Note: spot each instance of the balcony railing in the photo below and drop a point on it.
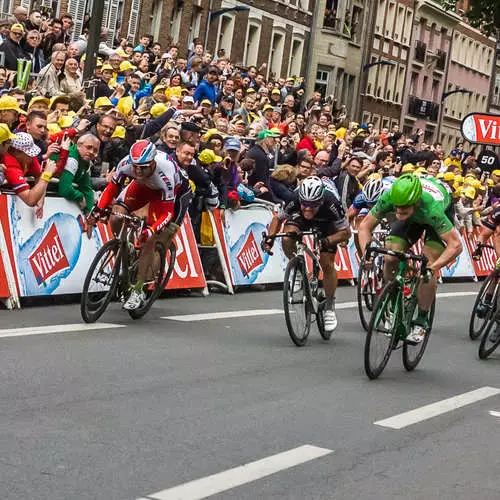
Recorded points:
(423, 109)
(420, 50)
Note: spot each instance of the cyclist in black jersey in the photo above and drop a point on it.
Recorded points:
(315, 208)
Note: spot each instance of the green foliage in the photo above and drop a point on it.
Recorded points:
(485, 14)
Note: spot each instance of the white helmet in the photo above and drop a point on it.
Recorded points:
(311, 189)
(372, 190)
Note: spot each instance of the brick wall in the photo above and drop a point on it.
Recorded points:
(265, 40)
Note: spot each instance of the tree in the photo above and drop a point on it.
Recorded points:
(485, 14)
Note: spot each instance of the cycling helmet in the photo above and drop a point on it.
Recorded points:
(142, 152)
(311, 189)
(406, 190)
(372, 190)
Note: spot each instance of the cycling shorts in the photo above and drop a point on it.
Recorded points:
(324, 227)
(136, 196)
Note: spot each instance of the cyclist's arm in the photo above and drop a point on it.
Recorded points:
(339, 236)
(115, 185)
(365, 231)
(485, 235)
(453, 250)
(352, 213)
(274, 225)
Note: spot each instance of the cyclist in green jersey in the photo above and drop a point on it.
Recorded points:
(419, 205)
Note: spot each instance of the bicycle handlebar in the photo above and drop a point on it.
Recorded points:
(399, 255)
(485, 245)
(291, 234)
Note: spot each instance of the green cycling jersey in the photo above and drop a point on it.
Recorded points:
(430, 210)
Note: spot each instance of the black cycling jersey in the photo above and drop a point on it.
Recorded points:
(493, 220)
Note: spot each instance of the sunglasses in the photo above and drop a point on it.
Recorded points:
(143, 166)
(310, 204)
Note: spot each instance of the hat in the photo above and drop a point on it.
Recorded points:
(107, 67)
(184, 91)
(188, 98)
(8, 102)
(267, 107)
(264, 134)
(341, 132)
(103, 102)
(119, 132)
(228, 98)
(53, 128)
(24, 142)
(125, 105)
(207, 156)
(5, 133)
(98, 63)
(158, 109)
(159, 88)
(190, 127)
(121, 52)
(58, 98)
(240, 122)
(408, 168)
(290, 79)
(211, 134)
(455, 152)
(448, 176)
(39, 98)
(17, 28)
(65, 121)
(206, 101)
(126, 65)
(469, 192)
(276, 91)
(251, 90)
(495, 172)
(232, 144)
(489, 182)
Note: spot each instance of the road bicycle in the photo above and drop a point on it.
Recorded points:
(302, 297)
(115, 268)
(394, 312)
(370, 279)
(484, 311)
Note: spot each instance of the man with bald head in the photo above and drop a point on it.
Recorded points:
(20, 15)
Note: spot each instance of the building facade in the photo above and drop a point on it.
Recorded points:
(385, 70)
(338, 52)
(495, 84)
(472, 62)
(427, 67)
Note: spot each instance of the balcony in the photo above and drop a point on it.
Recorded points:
(423, 109)
(420, 50)
(441, 60)
(332, 23)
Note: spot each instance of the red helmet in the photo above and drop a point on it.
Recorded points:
(142, 152)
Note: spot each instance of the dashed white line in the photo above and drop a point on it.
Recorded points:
(224, 315)
(495, 413)
(434, 409)
(223, 481)
(42, 330)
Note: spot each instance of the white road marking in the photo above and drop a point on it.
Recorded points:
(42, 330)
(223, 481)
(495, 413)
(438, 408)
(455, 294)
(223, 315)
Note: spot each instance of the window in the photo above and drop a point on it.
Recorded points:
(276, 55)
(194, 29)
(413, 83)
(225, 36)
(5, 8)
(295, 57)
(435, 90)
(321, 83)
(331, 15)
(175, 23)
(398, 33)
(252, 45)
(389, 26)
(156, 18)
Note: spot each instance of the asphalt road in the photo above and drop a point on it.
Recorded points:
(131, 412)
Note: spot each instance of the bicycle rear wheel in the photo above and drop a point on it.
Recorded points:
(366, 293)
(296, 301)
(101, 282)
(381, 336)
(412, 353)
(486, 347)
(155, 279)
(476, 324)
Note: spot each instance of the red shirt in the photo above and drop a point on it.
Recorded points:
(15, 174)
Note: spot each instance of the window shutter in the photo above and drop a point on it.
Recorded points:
(112, 20)
(26, 4)
(105, 14)
(77, 10)
(133, 20)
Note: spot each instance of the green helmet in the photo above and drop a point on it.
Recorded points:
(406, 190)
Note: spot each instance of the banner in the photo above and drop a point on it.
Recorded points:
(51, 255)
(482, 128)
(6, 256)
(486, 263)
(461, 267)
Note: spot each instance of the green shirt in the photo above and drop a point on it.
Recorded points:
(77, 171)
(429, 210)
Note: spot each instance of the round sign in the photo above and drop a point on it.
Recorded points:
(488, 161)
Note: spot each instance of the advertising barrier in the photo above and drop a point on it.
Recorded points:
(51, 255)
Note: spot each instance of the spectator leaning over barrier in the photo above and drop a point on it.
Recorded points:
(77, 171)
(5, 137)
(20, 162)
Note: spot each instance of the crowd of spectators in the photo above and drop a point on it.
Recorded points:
(256, 136)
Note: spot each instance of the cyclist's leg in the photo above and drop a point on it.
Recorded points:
(115, 222)
(293, 225)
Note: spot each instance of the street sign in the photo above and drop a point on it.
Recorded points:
(482, 128)
(488, 161)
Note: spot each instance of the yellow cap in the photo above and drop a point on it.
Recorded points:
(125, 105)
(158, 109)
(5, 133)
(341, 132)
(496, 172)
(65, 121)
(121, 52)
(459, 178)
(448, 176)
(250, 90)
(160, 88)
(119, 132)
(103, 102)
(209, 133)
(39, 98)
(107, 67)
(469, 192)
(53, 128)
(17, 28)
(9, 103)
(206, 101)
(267, 107)
(440, 175)
(207, 156)
(126, 65)
(408, 168)
(489, 182)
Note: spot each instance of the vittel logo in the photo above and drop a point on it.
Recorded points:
(49, 257)
(249, 257)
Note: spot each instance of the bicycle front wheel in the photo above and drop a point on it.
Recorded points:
(365, 293)
(479, 319)
(486, 347)
(381, 336)
(412, 353)
(155, 280)
(296, 301)
(100, 283)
